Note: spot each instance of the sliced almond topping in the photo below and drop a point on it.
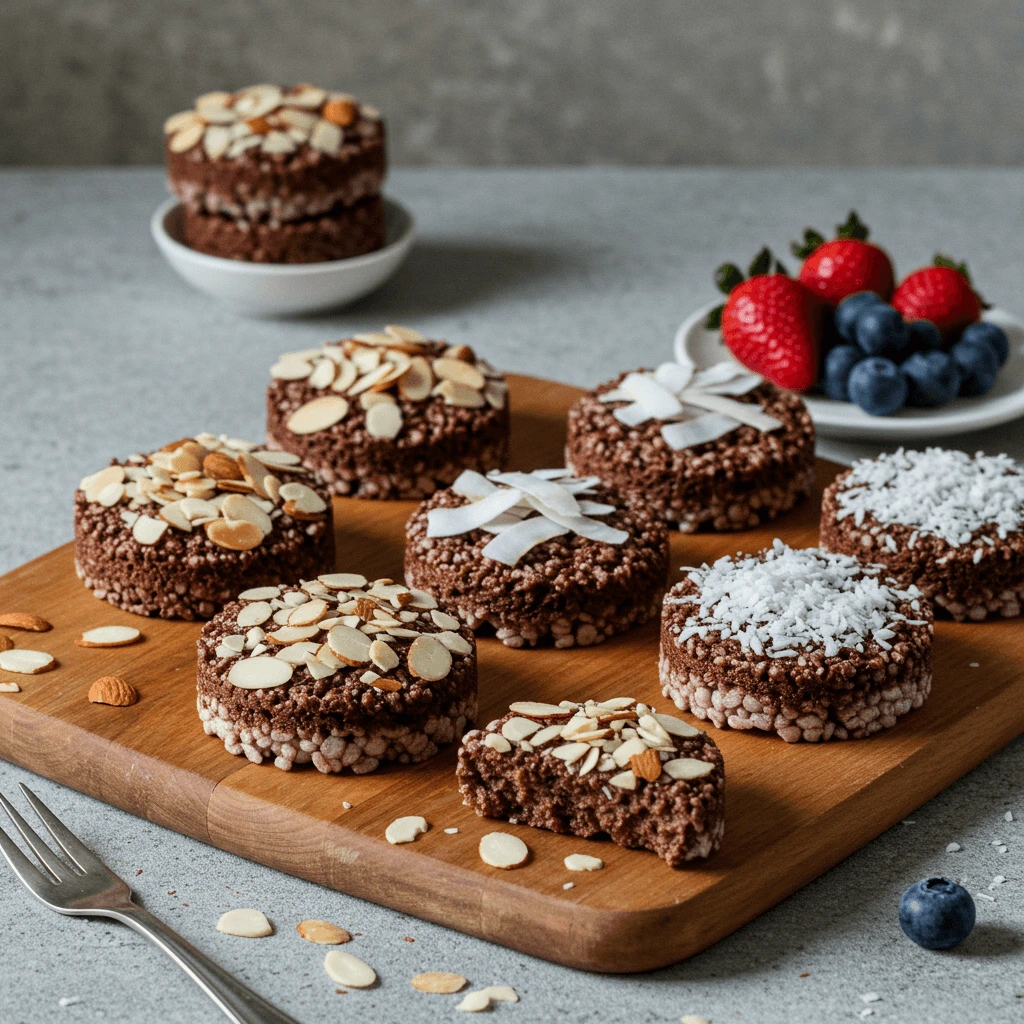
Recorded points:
(113, 690)
(687, 768)
(384, 420)
(570, 753)
(340, 112)
(623, 753)
(415, 384)
(25, 662)
(348, 970)
(497, 742)
(517, 729)
(219, 466)
(444, 620)
(318, 414)
(248, 924)
(234, 535)
(405, 830)
(428, 658)
(445, 984)
(323, 374)
(325, 137)
(590, 761)
(323, 933)
(184, 119)
(624, 780)
(421, 599)
(646, 765)
(147, 530)
(239, 507)
(343, 580)
(175, 515)
(309, 613)
(382, 683)
(255, 614)
(111, 495)
(463, 352)
(303, 498)
(292, 634)
(460, 372)
(458, 394)
(537, 709)
(496, 394)
(455, 642)
(502, 850)
(583, 862)
(96, 483)
(109, 636)
(23, 620)
(349, 645)
(347, 374)
(216, 140)
(383, 656)
(259, 673)
(676, 726)
(186, 138)
(260, 594)
(291, 367)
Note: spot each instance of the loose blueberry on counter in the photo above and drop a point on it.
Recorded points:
(878, 386)
(985, 333)
(937, 913)
(933, 378)
(849, 309)
(978, 366)
(838, 363)
(924, 336)
(881, 330)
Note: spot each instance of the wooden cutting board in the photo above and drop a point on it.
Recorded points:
(792, 811)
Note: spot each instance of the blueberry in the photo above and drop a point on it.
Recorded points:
(984, 333)
(850, 308)
(924, 336)
(978, 366)
(880, 329)
(936, 913)
(878, 386)
(838, 363)
(933, 377)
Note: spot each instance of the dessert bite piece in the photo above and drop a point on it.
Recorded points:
(339, 671)
(803, 643)
(389, 414)
(539, 554)
(951, 523)
(278, 175)
(179, 532)
(615, 767)
(717, 448)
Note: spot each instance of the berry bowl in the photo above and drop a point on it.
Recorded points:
(845, 420)
(273, 289)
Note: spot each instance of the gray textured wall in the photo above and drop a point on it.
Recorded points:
(855, 82)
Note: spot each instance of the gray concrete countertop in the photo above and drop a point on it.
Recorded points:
(570, 274)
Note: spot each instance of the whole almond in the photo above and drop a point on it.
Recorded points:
(339, 112)
(113, 690)
(322, 932)
(22, 620)
(221, 467)
(259, 125)
(646, 765)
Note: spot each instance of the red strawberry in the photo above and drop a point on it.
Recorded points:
(772, 325)
(847, 264)
(941, 293)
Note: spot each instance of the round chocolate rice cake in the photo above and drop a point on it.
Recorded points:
(279, 175)
(809, 645)
(339, 671)
(389, 414)
(178, 533)
(951, 523)
(735, 481)
(574, 589)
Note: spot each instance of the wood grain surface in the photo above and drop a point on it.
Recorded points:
(792, 811)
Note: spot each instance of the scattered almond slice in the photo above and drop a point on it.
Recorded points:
(428, 658)
(23, 620)
(245, 923)
(25, 662)
(260, 673)
(348, 970)
(462, 395)
(624, 780)
(517, 729)
(405, 829)
(502, 850)
(349, 645)
(343, 580)
(676, 726)
(417, 381)
(318, 414)
(384, 421)
(501, 994)
(537, 709)
(445, 621)
(474, 1002)
(11, 687)
(323, 933)
(254, 614)
(309, 613)
(459, 372)
(288, 635)
(113, 690)
(687, 768)
(109, 636)
(444, 984)
(583, 862)
(383, 656)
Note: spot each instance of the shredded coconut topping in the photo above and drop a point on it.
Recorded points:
(948, 494)
(783, 601)
(523, 510)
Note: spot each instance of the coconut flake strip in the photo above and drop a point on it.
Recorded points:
(705, 428)
(449, 522)
(590, 528)
(510, 545)
(552, 494)
(471, 484)
(657, 401)
(674, 376)
(742, 411)
(632, 415)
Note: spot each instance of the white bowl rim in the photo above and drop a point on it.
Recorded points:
(165, 240)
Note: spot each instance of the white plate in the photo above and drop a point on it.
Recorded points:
(276, 289)
(1003, 403)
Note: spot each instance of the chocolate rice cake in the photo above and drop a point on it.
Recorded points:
(613, 767)
(337, 671)
(809, 645)
(388, 414)
(292, 169)
(951, 523)
(698, 465)
(178, 533)
(524, 554)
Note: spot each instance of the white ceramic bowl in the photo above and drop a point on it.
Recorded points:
(1003, 403)
(278, 289)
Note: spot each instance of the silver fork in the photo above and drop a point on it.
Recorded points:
(88, 888)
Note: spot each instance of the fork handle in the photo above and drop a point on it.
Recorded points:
(240, 1004)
